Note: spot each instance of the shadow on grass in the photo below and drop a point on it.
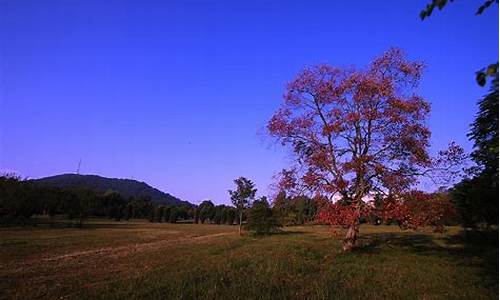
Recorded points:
(291, 232)
(279, 233)
(108, 226)
(61, 224)
(470, 248)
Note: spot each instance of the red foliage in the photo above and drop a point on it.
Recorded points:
(410, 210)
(341, 214)
(358, 132)
(417, 209)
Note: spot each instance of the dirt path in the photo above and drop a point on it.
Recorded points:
(121, 251)
(88, 268)
(109, 252)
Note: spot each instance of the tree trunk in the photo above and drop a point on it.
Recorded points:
(241, 217)
(80, 221)
(351, 237)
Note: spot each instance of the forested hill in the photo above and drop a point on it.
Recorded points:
(126, 187)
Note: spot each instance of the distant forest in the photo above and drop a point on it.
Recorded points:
(22, 201)
(78, 197)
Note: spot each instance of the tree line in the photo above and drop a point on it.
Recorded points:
(22, 200)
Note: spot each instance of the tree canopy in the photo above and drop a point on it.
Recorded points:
(356, 132)
(242, 196)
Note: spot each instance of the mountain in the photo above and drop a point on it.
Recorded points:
(126, 187)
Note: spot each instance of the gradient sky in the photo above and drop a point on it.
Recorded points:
(177, 93)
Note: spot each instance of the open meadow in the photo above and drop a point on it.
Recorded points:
(223, 149)
(137, 260)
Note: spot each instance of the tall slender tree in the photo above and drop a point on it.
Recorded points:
(242, 197)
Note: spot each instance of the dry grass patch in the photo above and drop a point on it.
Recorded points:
(140, 260)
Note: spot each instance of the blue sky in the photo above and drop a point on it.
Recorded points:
(177, 93)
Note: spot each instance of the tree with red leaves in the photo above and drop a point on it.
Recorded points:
(356, 133)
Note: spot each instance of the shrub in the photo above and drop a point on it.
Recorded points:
(261, 219)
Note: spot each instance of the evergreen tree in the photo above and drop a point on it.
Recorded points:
(476, 198)
(261, 219)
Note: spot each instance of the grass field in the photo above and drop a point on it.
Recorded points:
(132, 260)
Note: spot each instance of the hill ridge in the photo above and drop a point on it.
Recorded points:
(126, 187)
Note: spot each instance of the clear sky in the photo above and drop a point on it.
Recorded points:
(177, 93)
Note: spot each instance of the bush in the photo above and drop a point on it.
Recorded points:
(261, 219)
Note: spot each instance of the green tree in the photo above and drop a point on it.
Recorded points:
(196, 215)
(127, 212)
(476, 201)
(261, 219)
(166, 213)
(220, 214)
(224, 210)
(159, 214)
(476, 198)
(151, 214)
(242, 196)
(110, 205)
(230, 215)
(484, 132)
(174, 214)
(206, 211)
(18, 200)
(183, 212)
(294, 210)
(79, 204)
